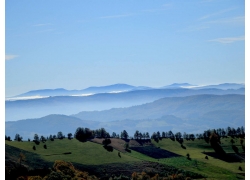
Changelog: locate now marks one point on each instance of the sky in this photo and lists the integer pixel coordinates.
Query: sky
(77, 44)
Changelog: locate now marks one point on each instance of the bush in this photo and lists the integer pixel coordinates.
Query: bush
(64, 167)
(240, 168)
(106, 142)
(58, 176)
(34, 178)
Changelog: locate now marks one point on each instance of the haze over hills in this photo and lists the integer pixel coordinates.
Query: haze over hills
(184, 114)
(223, 86)
(183, 107)
(115, 88)
(35, 108)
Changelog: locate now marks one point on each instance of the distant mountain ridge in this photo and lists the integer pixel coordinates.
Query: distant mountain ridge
(223, 86)
(184, 114)
(183, 107)
(35, 108)
(93, 90)
(115, 88)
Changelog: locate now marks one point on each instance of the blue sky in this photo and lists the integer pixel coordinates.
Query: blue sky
(77, 44)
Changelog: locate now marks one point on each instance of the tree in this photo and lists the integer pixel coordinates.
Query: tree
(82, 134)
(136, 135)
(42, 138)
(223, 132)
(158, 134)
(147, 135)
(229, 131)
(242, 130)
(191, 136)
(214, 140)
(178, 135)
(185, 135)
(140, 135)
(206, 135)
(113, 135)
(18, 138)
(163, 134)
(170, 134)
(36, 138)
(124, 134)
(60, 135)
(106, 142)
(70, 135)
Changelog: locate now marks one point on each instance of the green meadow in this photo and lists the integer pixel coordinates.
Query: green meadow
(94, 154)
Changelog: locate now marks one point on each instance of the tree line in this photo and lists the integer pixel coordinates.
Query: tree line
(83, 134)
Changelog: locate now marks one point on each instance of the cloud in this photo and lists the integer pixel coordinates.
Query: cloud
(233, 20)
(206, 1)
(42, 24)
(194, 28)
(25, 98)
(215, 14)
(228, 39)
(236, 21)
(164, 8)
(46, 30)
(9, 57)
(116, 16)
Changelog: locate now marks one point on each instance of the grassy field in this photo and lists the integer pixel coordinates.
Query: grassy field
(89, 154)
(195, 149)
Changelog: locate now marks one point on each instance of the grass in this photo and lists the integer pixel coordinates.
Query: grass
(219, 168)
(93, 154)
(87, 153)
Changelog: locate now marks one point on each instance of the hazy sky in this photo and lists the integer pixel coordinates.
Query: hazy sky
(77, 44)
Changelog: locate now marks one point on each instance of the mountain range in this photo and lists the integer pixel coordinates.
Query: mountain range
(67, 105)
(178, 107)
(115, 88)
(185, 114)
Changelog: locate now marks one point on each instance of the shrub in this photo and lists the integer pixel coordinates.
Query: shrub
(134, 176)
(58, 176)
(106, 142)
(34, 178)
(65, 167)
(21, 178)
(240, 168)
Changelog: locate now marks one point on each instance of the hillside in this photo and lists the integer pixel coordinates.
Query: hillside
(95, 159)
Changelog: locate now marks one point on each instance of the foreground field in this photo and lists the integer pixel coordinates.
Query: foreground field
(94, 158)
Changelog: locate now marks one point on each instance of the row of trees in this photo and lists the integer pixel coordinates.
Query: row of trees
(83, 134)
